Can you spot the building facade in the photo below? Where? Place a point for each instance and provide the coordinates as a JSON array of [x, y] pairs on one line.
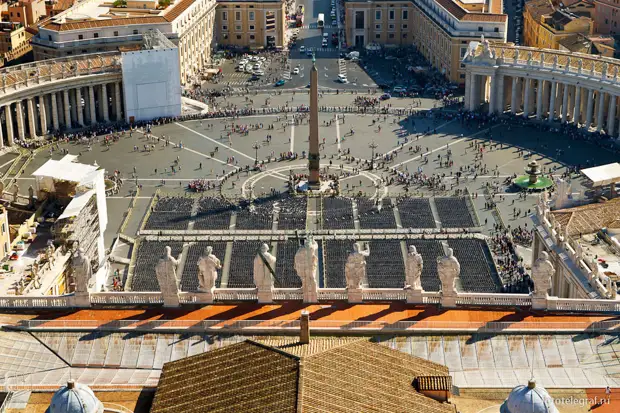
[[607, 16], [440, 29], [251, 24], [93, 27], [27, 12], [545, 26]]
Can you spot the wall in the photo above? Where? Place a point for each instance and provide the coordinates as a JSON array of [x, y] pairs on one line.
[[151, 84], [249, 33]]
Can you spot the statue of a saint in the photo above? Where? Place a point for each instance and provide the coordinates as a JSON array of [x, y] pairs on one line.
[[542, 273], [264, 269], [307, 266], [15, 192], [31, 195], [449, 270], [166, 272], [82, 271], [355, 267], [208, 265], [413, 269]]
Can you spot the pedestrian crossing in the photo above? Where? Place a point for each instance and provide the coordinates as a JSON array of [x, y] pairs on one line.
[[322, 49], [314, 26], [342, 67]]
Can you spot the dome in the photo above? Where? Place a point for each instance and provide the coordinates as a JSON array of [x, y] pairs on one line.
[[529, 399], [75, 398]]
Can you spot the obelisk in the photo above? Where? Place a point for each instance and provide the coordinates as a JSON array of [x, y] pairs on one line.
[[314, 179]]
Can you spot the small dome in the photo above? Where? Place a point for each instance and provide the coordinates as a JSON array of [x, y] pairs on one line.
[[529, 399], [75, 398]]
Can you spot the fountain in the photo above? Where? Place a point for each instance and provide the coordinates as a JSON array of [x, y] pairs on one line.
[[534, 178]]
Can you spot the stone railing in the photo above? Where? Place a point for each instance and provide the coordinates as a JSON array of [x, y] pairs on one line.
[[575, 304], [30, 74], [47, 301], [509, 300], [126, 298]]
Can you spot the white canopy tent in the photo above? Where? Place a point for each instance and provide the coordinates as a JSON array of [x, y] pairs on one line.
[[603, 175]]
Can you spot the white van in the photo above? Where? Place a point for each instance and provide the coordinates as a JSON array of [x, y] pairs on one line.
[[342, 78]]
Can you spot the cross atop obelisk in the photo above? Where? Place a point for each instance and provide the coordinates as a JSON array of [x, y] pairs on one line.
[[314, 179]]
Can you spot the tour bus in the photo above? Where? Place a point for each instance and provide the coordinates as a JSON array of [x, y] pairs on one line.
[[321, 21]]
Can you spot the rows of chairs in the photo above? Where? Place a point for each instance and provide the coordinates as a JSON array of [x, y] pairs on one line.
[[416, 213], [478, 273], [454, 212], [430, 250], [256, 215], [148, 255], [293, 212], [372, 217], [336, 253], [213, 213], [170, 212], [241, 273], [286, 277], [337, 213], [189, 278], [384, 265]]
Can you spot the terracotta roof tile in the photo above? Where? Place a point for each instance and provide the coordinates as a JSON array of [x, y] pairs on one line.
[[93, 24], [177, 9], [434, 383], [461, 14], [590, 218]]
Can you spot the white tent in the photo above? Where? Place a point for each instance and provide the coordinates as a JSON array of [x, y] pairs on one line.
[[603, 175]]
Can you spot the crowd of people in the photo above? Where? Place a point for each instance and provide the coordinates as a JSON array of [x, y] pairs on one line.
[[366, 101], [509, 265]]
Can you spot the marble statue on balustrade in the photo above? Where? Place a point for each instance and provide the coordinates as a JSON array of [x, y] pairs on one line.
[[1, 189], [542, 275], [166, 273], [208, 265], [413, 269], [15, 192], [355, 267], [82, 271], [264, 272], [30, 196], [449, 270], [307, 268], [613, 294], [487, 52]]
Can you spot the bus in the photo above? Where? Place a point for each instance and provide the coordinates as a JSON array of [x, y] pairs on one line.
[[321, 21]]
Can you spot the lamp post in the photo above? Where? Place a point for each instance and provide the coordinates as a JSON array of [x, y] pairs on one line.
[[256, 146], [372, 146]]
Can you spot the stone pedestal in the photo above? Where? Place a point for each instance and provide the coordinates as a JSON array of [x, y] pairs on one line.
[[354, 296], [204, 298], [414, 296], [171, 300], [448, 300], [539, 302], [311, 297], [81, 300], [264, 296]]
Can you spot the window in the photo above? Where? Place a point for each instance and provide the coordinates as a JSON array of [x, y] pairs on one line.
[[377, 27], [49, 37], [391, 26], [96, 35], [480, 29], [377, 14], [251, 15], [238, 28], [496, 30], [377, 36], [252, 37], [225, 36], [224, 28], [80, 36], [391, 14], [405, 26], [359, 19], [135, 31], [405, 14], [404, 35], [84, 51], [462, 76], [18, 14], [606, 21], [237, 15], [463, 51], [251, 27], [224, 15], [391, 35], [115, 33], [238, 37]]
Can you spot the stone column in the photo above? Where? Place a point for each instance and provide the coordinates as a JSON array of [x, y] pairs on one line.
[[473, 91], [577, 108], [492, 94], [1, 137], [590, 108], [117, 101], [600, 106], [546, 96], [32, 125], [513, 97], [552, 101], [42, 115], [55, 121], [91, 99], [467, 98], [21, 132], [565, 103], [8, 114], [539, 99], [611, 113], [104, 102], [499, 94], [78, 106], [526, 103], [67, 109]]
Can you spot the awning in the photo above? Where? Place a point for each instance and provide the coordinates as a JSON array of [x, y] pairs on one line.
[[603, 175], [77, 204], [65, 171]]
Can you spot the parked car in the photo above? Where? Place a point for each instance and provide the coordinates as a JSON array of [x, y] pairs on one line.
[[342, 78], [308, 52], [296, 71], [385, 96], [302, 49], [280, 82]]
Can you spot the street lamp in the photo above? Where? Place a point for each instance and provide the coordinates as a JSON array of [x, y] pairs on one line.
[[256, 146], [372, 146]]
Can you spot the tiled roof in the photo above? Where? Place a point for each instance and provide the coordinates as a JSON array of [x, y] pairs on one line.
[[539, 8], [245, 377], [176, 11], [330, 374], [590, 218], [461, 14]]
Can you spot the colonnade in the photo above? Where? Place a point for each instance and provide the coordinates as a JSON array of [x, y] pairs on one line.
[[60, 110], [552, 100]]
